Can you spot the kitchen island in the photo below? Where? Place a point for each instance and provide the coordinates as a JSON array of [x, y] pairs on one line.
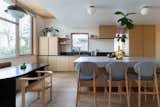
[[102, 61]]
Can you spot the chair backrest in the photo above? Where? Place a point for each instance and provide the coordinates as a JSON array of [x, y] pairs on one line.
[[146, 68], [86, 68], [5, 64], [118, 70]]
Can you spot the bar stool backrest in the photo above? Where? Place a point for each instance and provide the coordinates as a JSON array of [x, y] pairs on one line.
[[145, 68]]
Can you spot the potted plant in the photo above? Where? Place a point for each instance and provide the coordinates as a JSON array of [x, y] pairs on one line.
[[49, 31], [125, 23]]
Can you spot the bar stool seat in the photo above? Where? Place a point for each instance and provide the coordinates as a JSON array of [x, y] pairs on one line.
[[134, 75], [114, 78]]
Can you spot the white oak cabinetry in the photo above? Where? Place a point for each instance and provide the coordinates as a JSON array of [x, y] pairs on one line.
[[107, 31], [142, 41], [43, 46], [59, 63], [48, 46]]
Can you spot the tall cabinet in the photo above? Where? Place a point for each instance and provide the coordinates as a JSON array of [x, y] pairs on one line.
[[142, 41], [48, 46]]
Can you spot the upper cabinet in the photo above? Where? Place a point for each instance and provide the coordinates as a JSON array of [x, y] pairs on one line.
[[48, 46], [142, 41], [107, 31]]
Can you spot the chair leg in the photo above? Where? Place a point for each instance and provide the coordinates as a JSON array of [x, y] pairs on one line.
[[120, 90], [50, 93], [43, 98], [23, 99], [128, 95], [77, 96], [23, 93], [109, 94], [94, 91], [139, 94], [157, 91], [38, 95]]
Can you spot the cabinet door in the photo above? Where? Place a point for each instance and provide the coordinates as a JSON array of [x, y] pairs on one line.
[[53, 46], [52, 60], [149, 40], [107, 31], [43, 59], [62, 63], [43, 46], [71, 62], [136, 41]]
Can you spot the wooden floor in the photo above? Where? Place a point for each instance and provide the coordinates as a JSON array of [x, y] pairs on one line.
[[64, 95]]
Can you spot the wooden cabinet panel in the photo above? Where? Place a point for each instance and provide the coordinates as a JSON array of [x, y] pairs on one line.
[[43, 59], [149, 41], [142, 41], [53, 46], [107, 31], [71, 62], [43, 46], [136, 41], [48, 46], [52, 60]]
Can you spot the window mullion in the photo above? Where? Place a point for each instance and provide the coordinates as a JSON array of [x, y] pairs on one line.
[[17, 41]]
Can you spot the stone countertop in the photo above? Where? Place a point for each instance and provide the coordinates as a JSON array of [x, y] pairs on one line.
[[102, 61]]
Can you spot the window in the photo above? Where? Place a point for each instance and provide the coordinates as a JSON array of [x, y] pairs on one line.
[[80, 41], [123, 46], [25, 35], [7, 39], [9, 34]]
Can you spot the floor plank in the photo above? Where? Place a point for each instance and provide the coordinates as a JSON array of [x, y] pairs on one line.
[[64, 95]]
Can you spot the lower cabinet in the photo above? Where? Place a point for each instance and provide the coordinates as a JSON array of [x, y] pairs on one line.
[[59, 63]]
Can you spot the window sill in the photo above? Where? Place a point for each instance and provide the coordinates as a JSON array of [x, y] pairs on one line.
[[20, 56]]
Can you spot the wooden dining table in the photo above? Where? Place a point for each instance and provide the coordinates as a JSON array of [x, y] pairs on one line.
[[8, 77]]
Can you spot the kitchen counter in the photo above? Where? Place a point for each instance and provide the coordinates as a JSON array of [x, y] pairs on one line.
[[102, 61]]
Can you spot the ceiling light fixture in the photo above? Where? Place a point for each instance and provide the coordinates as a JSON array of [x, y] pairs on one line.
[[15, 11], [91, 10], [144, 10]]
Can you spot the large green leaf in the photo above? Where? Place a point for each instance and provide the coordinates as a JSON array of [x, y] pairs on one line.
[[129, 14], [119, 13]]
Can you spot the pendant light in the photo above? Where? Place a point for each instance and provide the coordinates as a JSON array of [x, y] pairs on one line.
[[15, 11], [91, 10]]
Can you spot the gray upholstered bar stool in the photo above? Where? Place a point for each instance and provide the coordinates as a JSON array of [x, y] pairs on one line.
[[145, 73], [86, 77], [116, 76]]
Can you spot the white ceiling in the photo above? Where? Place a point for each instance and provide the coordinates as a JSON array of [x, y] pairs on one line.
[[73, 13]]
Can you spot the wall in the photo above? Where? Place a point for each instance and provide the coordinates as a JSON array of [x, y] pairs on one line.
[[157, 47], [101, 44]]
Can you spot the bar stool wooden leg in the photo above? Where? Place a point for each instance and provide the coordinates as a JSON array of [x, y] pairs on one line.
[[139, 93], [128, 95], [94, 91], [109, 94], [157, 91], [77, 97]]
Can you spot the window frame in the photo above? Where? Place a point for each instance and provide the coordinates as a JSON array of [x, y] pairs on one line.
[[31, 39], [87, 40], [17, 44]]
